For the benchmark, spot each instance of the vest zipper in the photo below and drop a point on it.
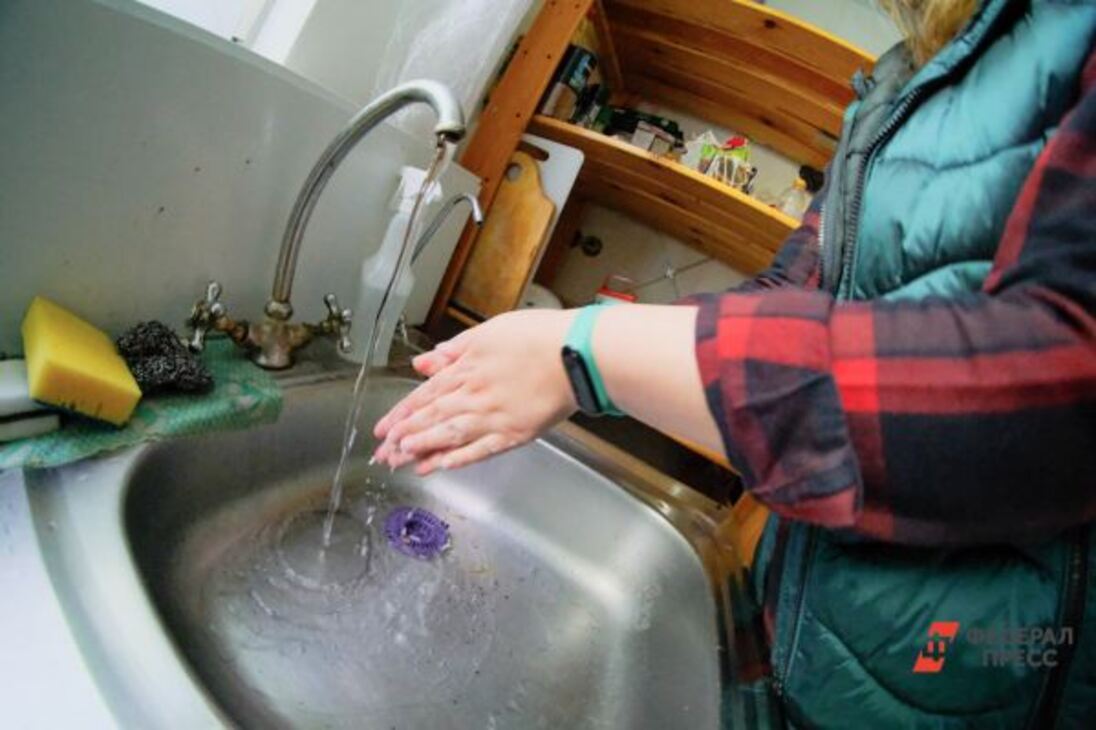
(900, 114)
(781, 674)
(1073, 616)
(776, 560)
(903, 110)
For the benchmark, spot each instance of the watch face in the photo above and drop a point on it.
(581, 384)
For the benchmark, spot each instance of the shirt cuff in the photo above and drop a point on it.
(764, 361)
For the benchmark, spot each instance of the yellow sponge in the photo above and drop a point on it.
(72, 364)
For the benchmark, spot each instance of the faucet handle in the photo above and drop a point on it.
(338, 322)
(204, 315)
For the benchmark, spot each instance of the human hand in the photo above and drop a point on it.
(491, 388)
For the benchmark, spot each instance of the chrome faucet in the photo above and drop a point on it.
(273, 341)
(447, 208)
(431, 230)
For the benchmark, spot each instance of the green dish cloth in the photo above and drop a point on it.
(243, 395)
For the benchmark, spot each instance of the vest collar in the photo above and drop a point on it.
(985, 25)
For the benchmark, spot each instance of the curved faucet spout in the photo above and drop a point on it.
(449, 128)
(446, 209)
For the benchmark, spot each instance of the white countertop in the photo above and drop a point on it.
(44, 682)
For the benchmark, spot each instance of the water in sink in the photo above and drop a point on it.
(443, 156)
(562, 602)
(387, 630)
(312, 564)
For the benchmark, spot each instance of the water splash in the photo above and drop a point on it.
(392, 628)
(313, 566)
(442, 157)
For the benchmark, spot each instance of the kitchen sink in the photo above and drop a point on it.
(580, 588)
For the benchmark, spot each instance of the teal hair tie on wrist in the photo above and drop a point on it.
(580, 338)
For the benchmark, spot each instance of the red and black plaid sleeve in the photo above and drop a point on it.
(941, 420)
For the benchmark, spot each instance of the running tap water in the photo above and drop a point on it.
(442, 158)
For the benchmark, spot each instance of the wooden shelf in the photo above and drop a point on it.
(498, 131)
(715, 218)
(758, 71)
(733, 63)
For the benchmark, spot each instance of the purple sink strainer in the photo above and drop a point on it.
(416, 532)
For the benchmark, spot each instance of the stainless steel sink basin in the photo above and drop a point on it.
(580, 589)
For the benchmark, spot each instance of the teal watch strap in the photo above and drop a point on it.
(580, 339)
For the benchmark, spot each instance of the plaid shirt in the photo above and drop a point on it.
(943, 420)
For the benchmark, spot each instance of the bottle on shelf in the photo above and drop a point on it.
(795, 200)
(378, 269)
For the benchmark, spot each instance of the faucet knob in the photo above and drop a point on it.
(213, 298)
(338, 322)
(204, 315)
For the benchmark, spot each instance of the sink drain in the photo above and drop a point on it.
(416, 532)
(310, 565)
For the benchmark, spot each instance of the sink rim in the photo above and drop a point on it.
(135, 674)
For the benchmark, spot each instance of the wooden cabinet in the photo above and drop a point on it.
(772, 77)
(767, 75)
(712, 217)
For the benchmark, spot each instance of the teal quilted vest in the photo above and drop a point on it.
(929, 166)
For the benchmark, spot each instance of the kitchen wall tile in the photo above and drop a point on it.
(661, 291)
(643, 254)
(711, 276)
(678, 254)
(629, 248)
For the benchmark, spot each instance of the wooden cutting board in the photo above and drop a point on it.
(507, 249)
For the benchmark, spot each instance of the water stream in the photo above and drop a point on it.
(442, 157)
(355, 635)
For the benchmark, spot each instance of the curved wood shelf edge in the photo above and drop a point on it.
(766, 225)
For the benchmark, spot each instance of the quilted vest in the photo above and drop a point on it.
(929, 166)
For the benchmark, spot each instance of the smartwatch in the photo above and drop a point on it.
(581, 369)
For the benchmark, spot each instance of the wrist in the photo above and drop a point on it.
(556, 337)
(581, 366)
(601, 348)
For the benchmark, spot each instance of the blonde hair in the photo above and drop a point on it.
(929, 24)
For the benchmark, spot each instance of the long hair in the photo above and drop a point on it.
(929, 24)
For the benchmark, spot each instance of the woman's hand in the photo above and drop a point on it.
(491, 388)
(501, 384)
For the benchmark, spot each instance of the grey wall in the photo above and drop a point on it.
(859, 22)
(360, 48)
(143, 156)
